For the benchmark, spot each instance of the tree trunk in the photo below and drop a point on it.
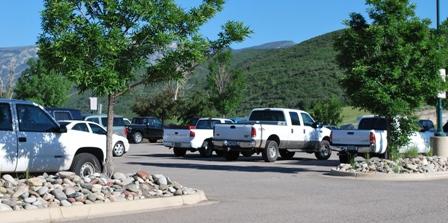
(389, 121)
(108, 165)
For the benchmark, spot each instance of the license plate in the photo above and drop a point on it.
(232, 143)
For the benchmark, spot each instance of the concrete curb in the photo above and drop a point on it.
(390, 177)
(98, 210)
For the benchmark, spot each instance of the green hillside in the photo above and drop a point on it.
(292, 77)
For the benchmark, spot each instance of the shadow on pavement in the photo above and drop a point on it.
(254, 169)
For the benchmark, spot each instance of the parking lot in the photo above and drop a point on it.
(298, 190)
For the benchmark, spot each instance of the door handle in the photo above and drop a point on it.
(22, 139)
(304, 131)
(292, 130)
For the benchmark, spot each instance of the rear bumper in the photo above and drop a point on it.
(354, 148)
(235, 145)
(185, 145)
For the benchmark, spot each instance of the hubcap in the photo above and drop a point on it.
(87, 169)
(272, 151)
(137, 137)
(118, 149)
(324, 150)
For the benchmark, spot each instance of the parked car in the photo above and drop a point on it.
(64, 113)
(119, 127)
(33, 141)
(371, 137)
(98, 133)
(149, 127)
(273, 132)
(426, 125)
(194, 138)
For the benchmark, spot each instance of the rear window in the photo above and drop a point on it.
(117, 121)
(61, 115)
(138, 121)
(267, 115)
(376, 123)
(206, 124)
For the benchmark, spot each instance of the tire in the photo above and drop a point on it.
(179, 152)
(207, 149)
(152, 140)
(286, 155)
(343, 157)
(85, 164)
(247, 153)
(220, 153)
(231, 155)
(137, 137)
(118, 149)
(270, 152)
(324, 152)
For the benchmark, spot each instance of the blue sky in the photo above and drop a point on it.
(271, 20)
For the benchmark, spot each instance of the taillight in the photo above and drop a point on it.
(253, 132)
(192, 134)
(372, 138)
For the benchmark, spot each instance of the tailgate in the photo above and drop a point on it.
(236, 132)
(176, 135)
(350, 137)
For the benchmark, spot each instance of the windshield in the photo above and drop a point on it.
(64, 124)
(267, 115)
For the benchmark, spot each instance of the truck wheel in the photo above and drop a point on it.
(207, 149)
(286, 155)
(343, 157)
(152, 140)
(247, 153)
(270, 153)
(85, 164)
(137, 137)
(118, 149)
(179, 152)
(324, 151)
(231, 155)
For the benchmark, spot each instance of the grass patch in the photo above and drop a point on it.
(350, 114)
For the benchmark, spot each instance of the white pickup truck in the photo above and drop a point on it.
(273, 132)
(31, 140)
(371, 137)
(193, 139)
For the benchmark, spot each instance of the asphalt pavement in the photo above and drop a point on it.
(297, 190)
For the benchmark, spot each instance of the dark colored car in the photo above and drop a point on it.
(149, 127)
(64, 113)
(426, 125)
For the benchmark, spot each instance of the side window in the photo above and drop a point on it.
(5, 117)
(81, 127)
(295, 120)
(93, 120)
(157, 123)
(97, 129)
(307, 120)
(228, 122)
(34, 119)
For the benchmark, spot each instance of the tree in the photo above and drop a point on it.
(391, 65)
(42, 86)
(328, 111)
(100, 44)
(226, 85)
(161, 104)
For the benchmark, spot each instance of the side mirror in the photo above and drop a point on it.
(62, 129)
(316, 125)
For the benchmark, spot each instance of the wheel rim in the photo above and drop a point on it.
(137, 137)
(325, 150)
(87, 169)
(119, 149)
(272, 151)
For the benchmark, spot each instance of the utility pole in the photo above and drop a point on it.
(439, 106)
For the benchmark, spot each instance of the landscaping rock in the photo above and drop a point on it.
(67, 189)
